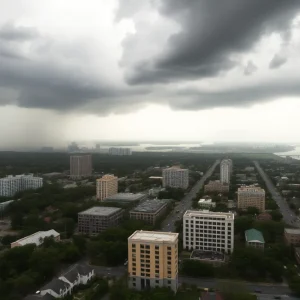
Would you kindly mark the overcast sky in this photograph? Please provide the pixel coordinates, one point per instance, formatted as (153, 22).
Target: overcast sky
(202, 70)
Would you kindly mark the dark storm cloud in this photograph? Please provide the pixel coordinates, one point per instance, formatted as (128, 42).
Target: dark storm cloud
(50, 84)
(277, 61)
(193, 99)
(211, 32)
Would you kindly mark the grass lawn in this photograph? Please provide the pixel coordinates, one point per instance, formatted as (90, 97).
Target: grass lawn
(188, 295)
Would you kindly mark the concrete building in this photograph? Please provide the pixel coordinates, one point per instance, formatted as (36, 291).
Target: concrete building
(216, 186)
(153, 260)
(126, 198)
(208, 231)
(251, 196)
(106, 186)
(36, 238)
(225, 170)
(155, 191)
(292, 236)
(149, 211)
(176, 177)
(206, 204)
(80, 166)
(97, 219)
(254, 238)
(10, 185)
(119, 151)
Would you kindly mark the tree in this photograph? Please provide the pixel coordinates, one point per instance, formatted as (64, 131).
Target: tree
(24, 284)
(252, 211)
(241, 224)
(276, 215)
(196, 268)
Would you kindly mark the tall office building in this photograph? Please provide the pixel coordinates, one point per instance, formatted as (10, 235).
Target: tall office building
(251, 196)
(208, 231)
(153, 260)
(119, 151)
(106, 186)
(10, 185)
(225, 170)
(176, 177)
(80, 166)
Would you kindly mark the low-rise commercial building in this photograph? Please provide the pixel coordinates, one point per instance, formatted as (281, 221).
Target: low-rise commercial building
(251, 196)
(125, 198)
(254, 238)
(206, 204)
(264, 217)
(208, 231)
(36, 238)
(216, 186)
(149, 211)
(292, 236)
(97, 219)
(153, 260)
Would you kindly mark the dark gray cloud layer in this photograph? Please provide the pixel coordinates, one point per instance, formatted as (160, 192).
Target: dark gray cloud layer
(49, 84)
(211, 31)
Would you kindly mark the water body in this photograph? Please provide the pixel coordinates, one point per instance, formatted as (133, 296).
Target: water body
(293, 153)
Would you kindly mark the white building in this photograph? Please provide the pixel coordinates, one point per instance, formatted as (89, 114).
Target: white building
(225, 170)
(10, 185)
(208, 231)
(65, 284)
(175, 177)
(119, 151)
(206, 203)
(36, 238)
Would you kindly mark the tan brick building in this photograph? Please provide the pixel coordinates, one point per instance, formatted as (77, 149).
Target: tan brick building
(80, 166)
(251, 196)
(153, 260)
(292, 236)
(106, 186)
(216, 186)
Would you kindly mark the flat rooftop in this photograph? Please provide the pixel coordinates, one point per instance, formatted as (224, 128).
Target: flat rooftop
(127, 197)
(100, 211)
(207, 213)
(292, 230)
(154, 236)
(150, 206)
(35, 237)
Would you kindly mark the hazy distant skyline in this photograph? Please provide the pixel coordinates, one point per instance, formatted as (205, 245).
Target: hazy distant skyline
(160, 70)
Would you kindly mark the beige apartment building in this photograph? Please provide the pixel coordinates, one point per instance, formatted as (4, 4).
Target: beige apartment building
(153, 260)
(175, 177)
(106, 186)
(251, 196)
(80, 166)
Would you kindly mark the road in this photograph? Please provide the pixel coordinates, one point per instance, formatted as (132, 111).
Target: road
(186, 203)
(289, 216)
(263, 288)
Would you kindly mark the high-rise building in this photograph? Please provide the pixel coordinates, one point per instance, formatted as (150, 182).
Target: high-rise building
(106, 186)
(13, 184)
(119, 151)
(176, 177)
(225, 170)
(208, 231)
(80, 166)
(153, 260)
(251, 196)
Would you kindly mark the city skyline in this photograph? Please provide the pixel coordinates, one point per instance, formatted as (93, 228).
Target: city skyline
(154, 70)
